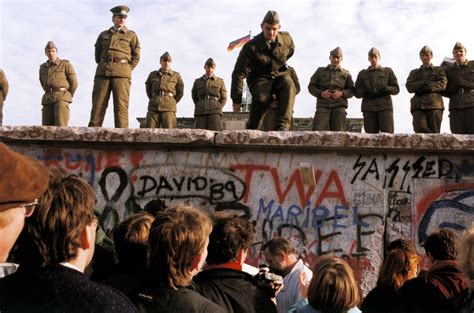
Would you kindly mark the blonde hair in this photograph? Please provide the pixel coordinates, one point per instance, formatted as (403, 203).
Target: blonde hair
(466, 252)
(333, 288)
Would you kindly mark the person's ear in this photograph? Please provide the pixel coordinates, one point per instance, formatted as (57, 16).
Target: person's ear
(85, 238)
(197, 262)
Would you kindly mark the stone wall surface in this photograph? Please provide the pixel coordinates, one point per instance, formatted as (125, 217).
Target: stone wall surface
(341, 193)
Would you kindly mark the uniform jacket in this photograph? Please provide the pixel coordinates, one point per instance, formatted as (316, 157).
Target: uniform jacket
(460, 88)
(427, 83)
(326, 78)
(209, 95)
(55, 75)
(234, 290)
(164, 90)
(117, 53)
(3, 87)
(370, 83)
(57, 288)
(258, 59)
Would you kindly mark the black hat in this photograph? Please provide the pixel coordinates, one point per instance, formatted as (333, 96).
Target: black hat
(166, 57)
(337, 52)
(121, 10)
(210, 62)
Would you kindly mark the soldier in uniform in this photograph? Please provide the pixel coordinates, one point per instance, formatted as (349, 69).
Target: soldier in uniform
(262, 61)
(375, 85)
(59, 82)
(3, 93)
(209, 96)
(332, 86)
(427, 83)
(460, 91)
(117, 52)
(164, 88)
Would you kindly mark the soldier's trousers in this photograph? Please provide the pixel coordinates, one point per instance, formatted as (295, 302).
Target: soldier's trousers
(380, 121)
(427, 121)
(333, 119)
(55, 114)
(208, 121)
(269, 120)
(120, 88)
(461, 121)
(155, 119)
(262, 89)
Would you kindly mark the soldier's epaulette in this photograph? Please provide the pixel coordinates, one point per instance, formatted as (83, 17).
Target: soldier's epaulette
(284, 32)
(65, 60)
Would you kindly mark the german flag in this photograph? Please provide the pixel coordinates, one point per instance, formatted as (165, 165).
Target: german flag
(238, 43)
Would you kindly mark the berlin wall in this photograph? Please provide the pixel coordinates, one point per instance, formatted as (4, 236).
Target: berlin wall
(344, 194)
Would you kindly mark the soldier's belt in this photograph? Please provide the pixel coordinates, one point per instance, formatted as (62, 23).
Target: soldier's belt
(207, 97)
(464, 90)
(164, 94)
(50, 90)
(117, 60)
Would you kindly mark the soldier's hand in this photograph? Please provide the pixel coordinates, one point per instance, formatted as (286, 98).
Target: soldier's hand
(336, 94)
(326, 94)
(236, 107)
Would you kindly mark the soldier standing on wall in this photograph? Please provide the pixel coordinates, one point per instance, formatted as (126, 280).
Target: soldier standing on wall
(262, 61)
(3, 93)
(164, 88)
(117, 52)
(375, 85)
(427, 83)
(209, 96)
(59, 82)
(332, 86)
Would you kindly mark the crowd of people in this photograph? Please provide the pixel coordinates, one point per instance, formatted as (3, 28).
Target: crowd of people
(185, 259)
(273, 85)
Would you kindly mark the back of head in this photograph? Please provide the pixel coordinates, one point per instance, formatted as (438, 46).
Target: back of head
(230, 234)
(466, 252)
(279, 244)
(60, 217)
(442, 245)
(177, 236)
(401, 244)
(333, 288)
(396, 268)
(131, 240)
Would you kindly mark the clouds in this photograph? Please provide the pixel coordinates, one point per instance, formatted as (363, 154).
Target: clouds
(192, 31)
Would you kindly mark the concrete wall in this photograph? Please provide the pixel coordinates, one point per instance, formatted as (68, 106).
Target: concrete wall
(332, 193)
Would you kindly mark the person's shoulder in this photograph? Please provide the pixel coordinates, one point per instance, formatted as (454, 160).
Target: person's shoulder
(109, 296)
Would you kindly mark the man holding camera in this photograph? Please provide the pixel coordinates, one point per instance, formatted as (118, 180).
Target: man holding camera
(332, 86)
(223, 281)
(262, 61)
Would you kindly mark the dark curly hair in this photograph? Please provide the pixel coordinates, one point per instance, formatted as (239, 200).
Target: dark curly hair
(442, 244)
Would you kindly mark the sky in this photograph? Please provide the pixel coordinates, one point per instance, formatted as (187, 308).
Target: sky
(194, 30)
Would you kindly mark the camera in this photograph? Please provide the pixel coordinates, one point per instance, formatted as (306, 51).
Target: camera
(269, 279)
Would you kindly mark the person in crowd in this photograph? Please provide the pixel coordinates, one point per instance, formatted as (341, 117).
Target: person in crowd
(262, 61)
(3, 93)
(443, 288)
(223, 280)
(427, 83)
(131, 245)
(164, 89)
(398, 267)
(209, 96)
(332, 86)
(332, 289)
(22, 181)
(178, 241)
(460, 91)
(117, 53)
(376, 85)
(283, 260)
(59, 82)
(466, 261)
(63, 229)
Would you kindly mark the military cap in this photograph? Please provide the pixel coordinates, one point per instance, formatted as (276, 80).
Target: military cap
(459, 46)
(374, 51)
(120, 10)
(166, 57)
(271, 18)
(426, 50)
(50, 45)
(22, 179)
(210, 62)
(337, 52)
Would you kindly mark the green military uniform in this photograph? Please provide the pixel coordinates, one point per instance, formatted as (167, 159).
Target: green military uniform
(164, 89)
(117, 53)
(269, 121)
(263, 64)
(3, 93)
(427, 83)
(209, 96)
(375, 86)
(59, 83)
(460, 91)
(331, 113)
